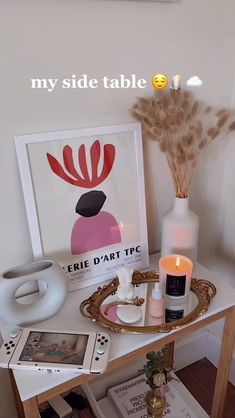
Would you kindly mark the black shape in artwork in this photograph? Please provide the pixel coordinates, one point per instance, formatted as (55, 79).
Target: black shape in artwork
(90, 203)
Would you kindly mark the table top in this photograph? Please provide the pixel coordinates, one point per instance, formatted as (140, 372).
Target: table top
(32, 383)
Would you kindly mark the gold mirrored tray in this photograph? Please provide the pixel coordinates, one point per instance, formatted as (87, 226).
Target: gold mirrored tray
(102, 306)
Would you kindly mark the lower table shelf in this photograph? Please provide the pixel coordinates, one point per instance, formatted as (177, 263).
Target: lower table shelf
(103, 406)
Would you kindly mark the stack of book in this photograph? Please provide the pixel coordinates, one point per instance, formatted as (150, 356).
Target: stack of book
(128, 400)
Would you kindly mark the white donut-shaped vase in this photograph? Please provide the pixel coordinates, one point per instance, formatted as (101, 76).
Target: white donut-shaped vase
(21, 314)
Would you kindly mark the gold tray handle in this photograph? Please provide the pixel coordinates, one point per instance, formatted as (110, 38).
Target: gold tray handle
(203, 287)
(88, 310)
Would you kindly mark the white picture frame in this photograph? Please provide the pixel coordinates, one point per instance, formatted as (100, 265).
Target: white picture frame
(57, 168)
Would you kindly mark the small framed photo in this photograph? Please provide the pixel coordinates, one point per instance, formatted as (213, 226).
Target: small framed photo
(85, 199)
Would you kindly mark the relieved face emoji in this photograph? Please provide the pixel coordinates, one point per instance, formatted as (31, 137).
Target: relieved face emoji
(159, 81)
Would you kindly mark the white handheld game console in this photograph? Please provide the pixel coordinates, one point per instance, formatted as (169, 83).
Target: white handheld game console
(56, 351)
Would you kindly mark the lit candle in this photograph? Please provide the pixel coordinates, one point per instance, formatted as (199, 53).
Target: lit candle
(175, 273)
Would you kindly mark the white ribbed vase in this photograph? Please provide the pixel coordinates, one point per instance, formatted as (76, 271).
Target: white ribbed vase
(180, 229)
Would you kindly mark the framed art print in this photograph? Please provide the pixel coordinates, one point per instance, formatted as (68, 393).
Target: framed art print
(85, 199)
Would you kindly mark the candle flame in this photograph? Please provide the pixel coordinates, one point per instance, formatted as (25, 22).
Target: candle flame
(177, 263)
(121, 225)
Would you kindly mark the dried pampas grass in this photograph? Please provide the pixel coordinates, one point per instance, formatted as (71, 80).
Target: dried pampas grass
(183, 127)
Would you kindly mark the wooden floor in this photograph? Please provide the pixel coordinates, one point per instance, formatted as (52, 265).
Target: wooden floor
(199, 378)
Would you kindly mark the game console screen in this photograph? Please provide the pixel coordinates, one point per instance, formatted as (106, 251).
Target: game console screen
(47, 347)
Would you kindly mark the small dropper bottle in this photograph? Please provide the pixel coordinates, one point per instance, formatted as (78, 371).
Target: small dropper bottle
(156, 302)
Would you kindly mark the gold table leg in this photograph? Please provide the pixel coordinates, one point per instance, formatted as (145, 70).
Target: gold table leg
(31, 408)
(226, 353)
(18, 402)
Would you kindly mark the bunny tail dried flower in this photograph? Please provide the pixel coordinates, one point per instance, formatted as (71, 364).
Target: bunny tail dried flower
(183, 127)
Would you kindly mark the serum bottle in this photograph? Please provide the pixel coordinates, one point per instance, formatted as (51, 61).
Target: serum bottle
(156, 302)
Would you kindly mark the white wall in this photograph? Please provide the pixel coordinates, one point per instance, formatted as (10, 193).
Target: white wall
(61, 38)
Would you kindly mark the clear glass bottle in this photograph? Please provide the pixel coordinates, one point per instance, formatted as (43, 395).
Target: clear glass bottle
(156, 302)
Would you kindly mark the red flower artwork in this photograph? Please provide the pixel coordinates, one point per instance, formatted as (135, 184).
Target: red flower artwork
(86, 180)
(95, 228)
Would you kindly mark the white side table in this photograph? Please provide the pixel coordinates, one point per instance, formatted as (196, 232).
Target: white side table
(33, 388)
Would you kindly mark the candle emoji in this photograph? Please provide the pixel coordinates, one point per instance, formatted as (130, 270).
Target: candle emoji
(176, 82)
(175, 273)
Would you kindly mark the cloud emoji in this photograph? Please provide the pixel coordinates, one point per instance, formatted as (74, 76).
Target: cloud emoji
(194, 81)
